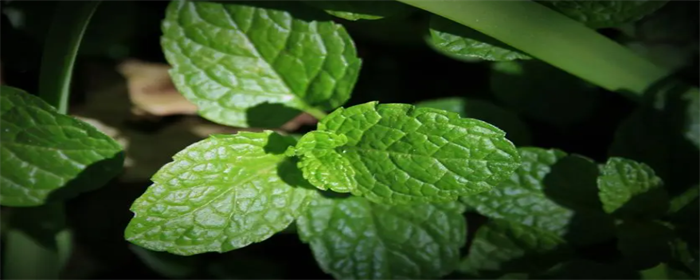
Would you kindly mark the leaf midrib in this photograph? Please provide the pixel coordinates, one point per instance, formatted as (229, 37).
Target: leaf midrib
(235, 26)
(229, 190)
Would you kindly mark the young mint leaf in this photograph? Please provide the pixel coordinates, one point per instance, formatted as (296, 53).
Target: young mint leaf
(220, 194)
(501, 247)
(551, 192)
(463, 42)
(242, 61)
(535, 89)
(357, 10)
(322, 165)
(629, 189)
(602, 14)
(516, 130)
(353, 238)
(402, 154)
(48, 156)
(644, 244)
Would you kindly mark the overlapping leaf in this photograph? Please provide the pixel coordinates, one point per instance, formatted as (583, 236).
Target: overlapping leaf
(353, 238)
(398, 153)
(243, 62)
(460, 41)
(552, 192)
(629, 189)
(46, 155)
(220, 194)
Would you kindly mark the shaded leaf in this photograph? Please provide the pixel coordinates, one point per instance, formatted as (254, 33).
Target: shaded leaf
(463, 42)
(551, 192)
(543, 92)
(516, 130)
(644, 244)
(631, 190)
(353, 238)
(501, 247)
(600, 14)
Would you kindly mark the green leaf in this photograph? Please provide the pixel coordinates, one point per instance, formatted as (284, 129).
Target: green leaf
(48, 156)
(398, 153)
(357, 10)
(516, 130)
(501, 247)
(220, 194)
(551, 192)
(601, 14)
(353, 238)
(644, 244)
(322, 165)
(231, 59)
(663, 133)
(540, 91)
(463, 42)
(631, 190)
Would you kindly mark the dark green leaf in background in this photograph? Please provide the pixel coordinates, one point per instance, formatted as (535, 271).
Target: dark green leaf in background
(543, 92)
(362, 10)
(601, 14)
(551, 192)
(353, 238)
(516, 130)
(463, 42)
(631, 190)
(502, 246)
(644, 244)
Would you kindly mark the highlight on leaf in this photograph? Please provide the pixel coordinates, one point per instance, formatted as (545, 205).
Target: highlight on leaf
(241, 61)
(399, 153)
(220, 194)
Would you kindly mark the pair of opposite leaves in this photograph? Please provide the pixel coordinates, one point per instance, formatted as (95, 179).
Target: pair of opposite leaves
(228, 191)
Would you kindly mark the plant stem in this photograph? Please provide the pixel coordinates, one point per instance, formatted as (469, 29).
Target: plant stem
(61, 48)
(316, 113)
(553, 38)
(27, 257)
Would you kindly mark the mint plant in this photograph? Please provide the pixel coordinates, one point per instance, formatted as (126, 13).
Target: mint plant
(230, 191)
(484, 186)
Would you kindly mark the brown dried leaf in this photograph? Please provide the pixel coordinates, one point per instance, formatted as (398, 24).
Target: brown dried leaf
(152, 91)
